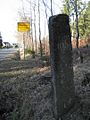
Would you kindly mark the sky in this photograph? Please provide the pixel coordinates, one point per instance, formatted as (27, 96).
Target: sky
(9, 17)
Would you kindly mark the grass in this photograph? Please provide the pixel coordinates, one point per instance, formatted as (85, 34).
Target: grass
(18, 82)
(25, 94)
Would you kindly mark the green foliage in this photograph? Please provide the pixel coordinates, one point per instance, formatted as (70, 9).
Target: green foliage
(69, 6)
(66, 8)
(83, 12)
(29, 51)
(0, 46)
(84, 22)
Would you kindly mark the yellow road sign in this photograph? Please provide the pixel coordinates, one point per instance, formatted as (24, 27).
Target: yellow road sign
(23, 26)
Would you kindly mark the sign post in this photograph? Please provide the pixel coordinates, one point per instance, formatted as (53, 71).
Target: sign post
(24, 44)
(23, 27)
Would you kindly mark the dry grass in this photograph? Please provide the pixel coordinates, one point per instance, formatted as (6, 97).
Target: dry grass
(26, 90)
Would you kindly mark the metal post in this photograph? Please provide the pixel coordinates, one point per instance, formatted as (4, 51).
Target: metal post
(24, 44)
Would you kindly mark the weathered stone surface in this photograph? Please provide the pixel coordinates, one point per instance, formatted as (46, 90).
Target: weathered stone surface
(61, 63)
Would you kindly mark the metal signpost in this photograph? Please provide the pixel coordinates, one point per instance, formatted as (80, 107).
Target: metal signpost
(23, 27)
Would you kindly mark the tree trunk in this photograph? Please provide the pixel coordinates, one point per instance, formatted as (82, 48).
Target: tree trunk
(77, 29)
(39, 30)
(35, 30)
(51, 8)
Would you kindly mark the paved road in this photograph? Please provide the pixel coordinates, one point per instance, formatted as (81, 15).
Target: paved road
(6, 53)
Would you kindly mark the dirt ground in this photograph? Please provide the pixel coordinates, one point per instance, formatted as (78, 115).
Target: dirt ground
(26, 89)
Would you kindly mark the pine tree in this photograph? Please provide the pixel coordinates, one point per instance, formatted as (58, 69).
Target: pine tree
(74, 7)
(84, 22)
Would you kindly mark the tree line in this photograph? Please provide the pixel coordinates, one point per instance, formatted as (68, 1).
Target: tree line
(78, 11)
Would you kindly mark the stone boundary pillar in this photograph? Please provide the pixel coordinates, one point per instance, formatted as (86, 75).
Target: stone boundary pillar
(61, 64)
